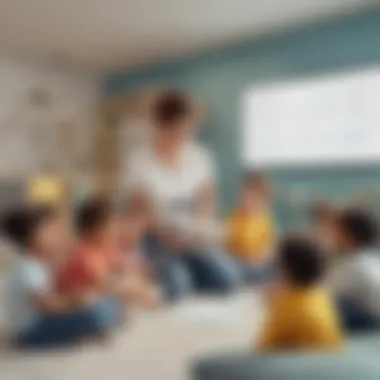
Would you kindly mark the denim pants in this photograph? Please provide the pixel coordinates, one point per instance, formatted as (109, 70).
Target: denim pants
(62, 329)
(255, 274)
(354, 318)
(181, 272)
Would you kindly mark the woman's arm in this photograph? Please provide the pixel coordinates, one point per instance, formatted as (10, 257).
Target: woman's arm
(206, 200)
(206, 197)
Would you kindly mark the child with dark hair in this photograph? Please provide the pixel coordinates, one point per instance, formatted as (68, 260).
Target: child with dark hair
(250, 231)
(301, 315)
(356, 282)
(94, 257)
(37, 315)
(97, 264)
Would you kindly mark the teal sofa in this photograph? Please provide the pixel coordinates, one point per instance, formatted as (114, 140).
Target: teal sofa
(359, 360)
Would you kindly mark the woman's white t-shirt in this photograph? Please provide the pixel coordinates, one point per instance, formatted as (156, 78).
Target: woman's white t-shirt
(173, 190)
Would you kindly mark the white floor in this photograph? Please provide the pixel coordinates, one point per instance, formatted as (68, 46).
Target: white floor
(155, 345)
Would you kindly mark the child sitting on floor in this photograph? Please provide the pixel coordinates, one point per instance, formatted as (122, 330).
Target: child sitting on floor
(36, 315)
(300, 313)
(250, 229)
(96, 264)
(356, 282)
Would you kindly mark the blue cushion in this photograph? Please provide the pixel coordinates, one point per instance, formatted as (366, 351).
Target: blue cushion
(358, 361)
(288, 367)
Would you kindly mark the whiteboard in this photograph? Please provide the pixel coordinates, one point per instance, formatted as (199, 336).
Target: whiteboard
(333, 119)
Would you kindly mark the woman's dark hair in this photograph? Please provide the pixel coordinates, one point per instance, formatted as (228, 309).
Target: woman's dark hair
(92, 214)
(360, 226)
(302, 259)
(171, 106)
(19, 224)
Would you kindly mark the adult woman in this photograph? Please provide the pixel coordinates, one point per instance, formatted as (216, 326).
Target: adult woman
(175, 176)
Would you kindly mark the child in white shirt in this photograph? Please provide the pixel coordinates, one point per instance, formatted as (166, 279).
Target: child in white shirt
(356, 281)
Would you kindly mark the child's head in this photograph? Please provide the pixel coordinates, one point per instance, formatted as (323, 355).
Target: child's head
(324, 219)
(357, 229)
(36, 230)
(98, 221)
(301, 261)
(254, 194)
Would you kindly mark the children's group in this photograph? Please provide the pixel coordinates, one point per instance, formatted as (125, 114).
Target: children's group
(75, 279)
(78, 272)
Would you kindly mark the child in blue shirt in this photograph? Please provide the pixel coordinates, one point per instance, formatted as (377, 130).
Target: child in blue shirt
(36, 314)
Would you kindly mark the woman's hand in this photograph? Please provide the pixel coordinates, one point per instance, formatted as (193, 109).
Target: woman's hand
(137, 290)
(206, 200)
(86, 299)
(177, 243)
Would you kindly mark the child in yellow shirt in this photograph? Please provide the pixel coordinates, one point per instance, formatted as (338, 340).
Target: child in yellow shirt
(301, 315)
(250, 229)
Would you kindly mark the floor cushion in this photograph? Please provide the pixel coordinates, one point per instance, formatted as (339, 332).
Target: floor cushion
(358, 360)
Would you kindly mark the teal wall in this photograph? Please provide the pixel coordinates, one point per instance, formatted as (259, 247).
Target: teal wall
(219, 78)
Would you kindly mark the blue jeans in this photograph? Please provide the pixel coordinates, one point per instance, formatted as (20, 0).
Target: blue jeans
(354, 318)
(63, 329)
(255, 274)
(181, 272)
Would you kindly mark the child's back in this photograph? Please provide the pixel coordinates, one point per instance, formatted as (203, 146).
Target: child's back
(301, 319)
(301, 315)
(356, 281)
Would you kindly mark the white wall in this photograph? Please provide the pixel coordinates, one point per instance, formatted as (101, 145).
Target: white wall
(72, 93)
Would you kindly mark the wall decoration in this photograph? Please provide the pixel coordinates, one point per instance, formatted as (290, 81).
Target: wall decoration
(37, 134)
